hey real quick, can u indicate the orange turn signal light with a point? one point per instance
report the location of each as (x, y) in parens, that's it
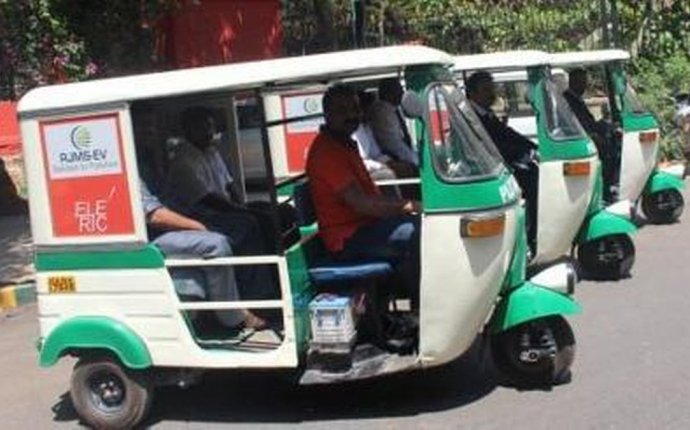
(577, 168)
(482, 227)
(648, 137)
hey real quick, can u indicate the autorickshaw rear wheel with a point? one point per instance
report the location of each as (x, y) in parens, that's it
(607, 258)
(534, 353)
(107, 396)
(663, 207)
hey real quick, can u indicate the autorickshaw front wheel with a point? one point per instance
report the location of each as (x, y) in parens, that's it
(663, 207)
(106, 396)
(534, 353)
(607, 258)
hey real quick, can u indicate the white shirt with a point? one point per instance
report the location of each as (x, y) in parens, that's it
(369, 150)
(195, 173)
(385, 123)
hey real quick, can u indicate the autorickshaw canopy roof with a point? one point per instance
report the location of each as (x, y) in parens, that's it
(498, 61)
(239, 76)
(588, 58)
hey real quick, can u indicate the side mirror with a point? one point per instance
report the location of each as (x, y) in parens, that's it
(411, 105)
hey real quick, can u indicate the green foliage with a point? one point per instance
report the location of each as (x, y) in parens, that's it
(657, 81)
(36, 48)
(470, 26)
(50, 41)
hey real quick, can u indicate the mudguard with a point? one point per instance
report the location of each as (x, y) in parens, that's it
(660, 181)
(530, 302)
(602, 224)
(92, 333)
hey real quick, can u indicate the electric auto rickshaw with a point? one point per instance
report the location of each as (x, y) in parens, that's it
(113, 300)
(570, 211)
(638, 180)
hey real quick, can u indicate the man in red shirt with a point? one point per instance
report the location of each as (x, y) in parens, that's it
(356, 221)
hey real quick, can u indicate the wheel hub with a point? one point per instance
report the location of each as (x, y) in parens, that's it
(536, 345)
(107, 391)
(609, 251)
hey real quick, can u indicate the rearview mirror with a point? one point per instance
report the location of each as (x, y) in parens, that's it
(411, 105)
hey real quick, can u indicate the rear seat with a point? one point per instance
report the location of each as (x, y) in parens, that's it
(323, 270)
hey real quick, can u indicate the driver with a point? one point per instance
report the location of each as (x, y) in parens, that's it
(518, 151)
(357, 222)
(601, 132)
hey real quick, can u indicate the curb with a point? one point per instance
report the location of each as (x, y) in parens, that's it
(15, 295)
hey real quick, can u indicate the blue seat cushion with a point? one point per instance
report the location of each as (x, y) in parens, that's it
(348, 271)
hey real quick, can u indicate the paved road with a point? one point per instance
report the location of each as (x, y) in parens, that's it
(630, 373)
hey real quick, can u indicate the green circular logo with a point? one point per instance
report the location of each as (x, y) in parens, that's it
(80, 137)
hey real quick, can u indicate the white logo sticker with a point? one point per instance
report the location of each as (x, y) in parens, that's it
(82, 148)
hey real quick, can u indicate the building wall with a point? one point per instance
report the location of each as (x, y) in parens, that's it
(208, 32)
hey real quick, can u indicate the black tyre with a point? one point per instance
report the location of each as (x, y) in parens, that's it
(663, 207)
(607, 258)
(535, 353)
(108, 397)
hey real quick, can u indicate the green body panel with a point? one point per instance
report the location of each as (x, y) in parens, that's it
(530, 302)
(596, 204)
(632, 121)
(148, 257)
(604, 224)
(660, 181)
(302, 293)
(639, 122)
(89, 333)
(549, 148)
(518, 265)
(440, 196)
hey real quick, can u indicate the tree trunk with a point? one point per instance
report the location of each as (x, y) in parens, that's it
(326, 39)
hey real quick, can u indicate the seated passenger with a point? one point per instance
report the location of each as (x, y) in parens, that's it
(517, 151)
(388, 124)
(178, 236)
(357, 222)
(601, 132)
(200, 179)
(379, 165)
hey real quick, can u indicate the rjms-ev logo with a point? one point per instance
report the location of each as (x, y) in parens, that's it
(82, 142)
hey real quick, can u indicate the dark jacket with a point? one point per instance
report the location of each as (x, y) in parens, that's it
(512, 145)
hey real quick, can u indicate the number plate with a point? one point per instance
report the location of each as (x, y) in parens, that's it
(62, 285)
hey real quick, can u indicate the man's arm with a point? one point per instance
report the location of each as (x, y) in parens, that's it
(166, 219)
(377, 206)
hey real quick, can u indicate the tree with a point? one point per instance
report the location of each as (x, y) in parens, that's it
(36, 48)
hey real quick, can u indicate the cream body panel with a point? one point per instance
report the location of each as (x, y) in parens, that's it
(563, 203)
(144, 300)
(638, 160)
(460, 281)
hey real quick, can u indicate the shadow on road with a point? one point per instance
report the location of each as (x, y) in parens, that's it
(267, 399)
(274, 398)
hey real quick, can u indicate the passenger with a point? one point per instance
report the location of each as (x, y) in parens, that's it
(379, 165)
(388, 123)
(177, 235)
(518, 151)
(199, 177)
(601, 132)
(355, 220)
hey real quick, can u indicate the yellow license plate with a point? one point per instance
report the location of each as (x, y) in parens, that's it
(62, 284)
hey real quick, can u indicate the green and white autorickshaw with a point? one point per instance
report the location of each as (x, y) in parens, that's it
(639, 180)
(112, 300)
(570, 211)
